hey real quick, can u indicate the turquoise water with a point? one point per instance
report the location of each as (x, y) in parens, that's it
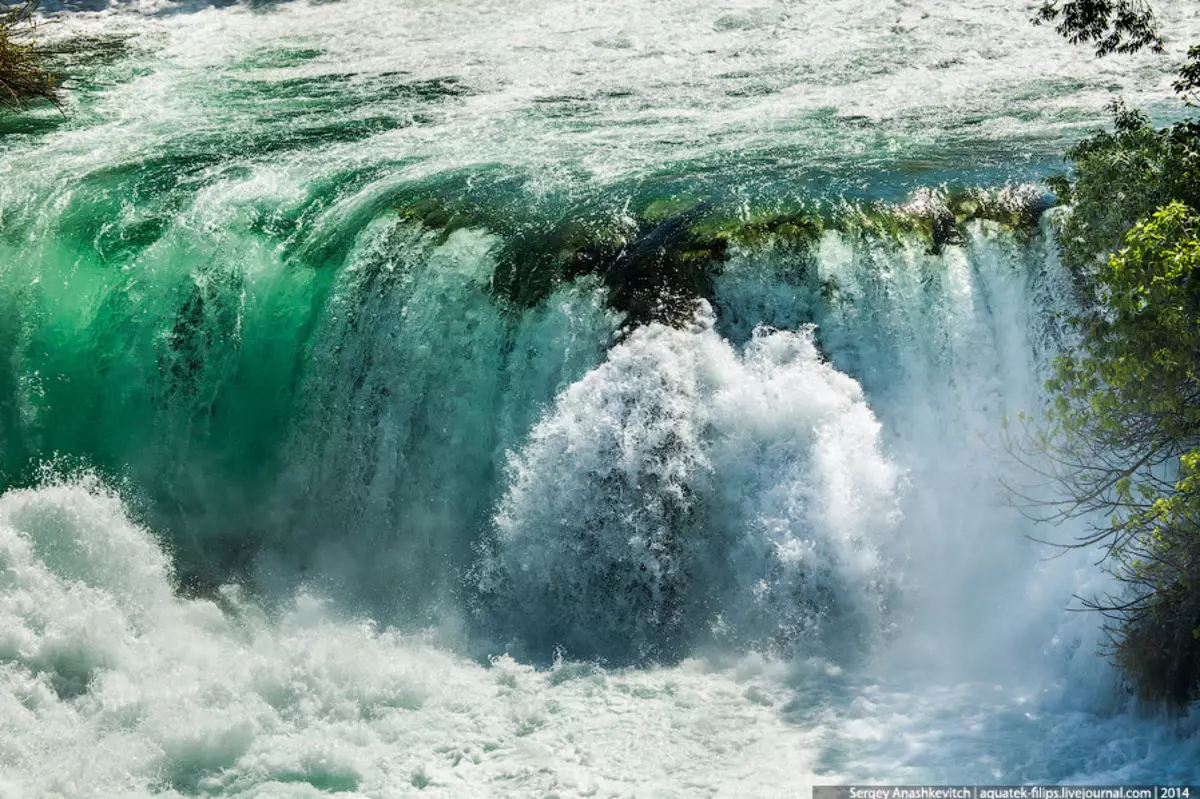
(530, 399)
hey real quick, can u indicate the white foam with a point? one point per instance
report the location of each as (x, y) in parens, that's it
(682, 484)
(769, 459)
(111, 686)
(627, 86)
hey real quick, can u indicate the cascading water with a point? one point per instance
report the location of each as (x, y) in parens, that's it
(384, 412)
(682, 485)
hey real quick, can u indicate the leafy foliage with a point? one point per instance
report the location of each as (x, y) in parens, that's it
(1122, 177)
(23, 78)
(1121, 440)
(1111, 26)
(1188, 84)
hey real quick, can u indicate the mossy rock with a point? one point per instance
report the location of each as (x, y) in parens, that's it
(663, 208)
(1018, 208)
(882, 220)
(799, 229)
(660, 257)
(938, 216)
(660, 273)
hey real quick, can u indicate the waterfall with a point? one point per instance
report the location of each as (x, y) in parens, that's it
(541, 400)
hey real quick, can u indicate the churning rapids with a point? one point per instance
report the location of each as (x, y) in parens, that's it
(538, 398)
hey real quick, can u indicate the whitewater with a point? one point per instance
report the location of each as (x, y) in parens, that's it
(544, 399)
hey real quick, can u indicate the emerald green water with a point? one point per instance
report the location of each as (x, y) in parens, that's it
(530, 398)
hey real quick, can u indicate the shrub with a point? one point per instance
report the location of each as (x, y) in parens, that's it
(23, 77)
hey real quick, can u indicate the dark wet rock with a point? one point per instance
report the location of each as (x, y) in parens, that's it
(659, 252)
(659, 275)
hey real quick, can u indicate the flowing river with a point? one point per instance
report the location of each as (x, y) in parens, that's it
(550, 399)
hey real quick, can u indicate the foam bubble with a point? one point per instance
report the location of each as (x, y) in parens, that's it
(112, 686)
(684, 485)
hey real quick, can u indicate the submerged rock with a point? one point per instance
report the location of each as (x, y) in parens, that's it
(660, 253)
